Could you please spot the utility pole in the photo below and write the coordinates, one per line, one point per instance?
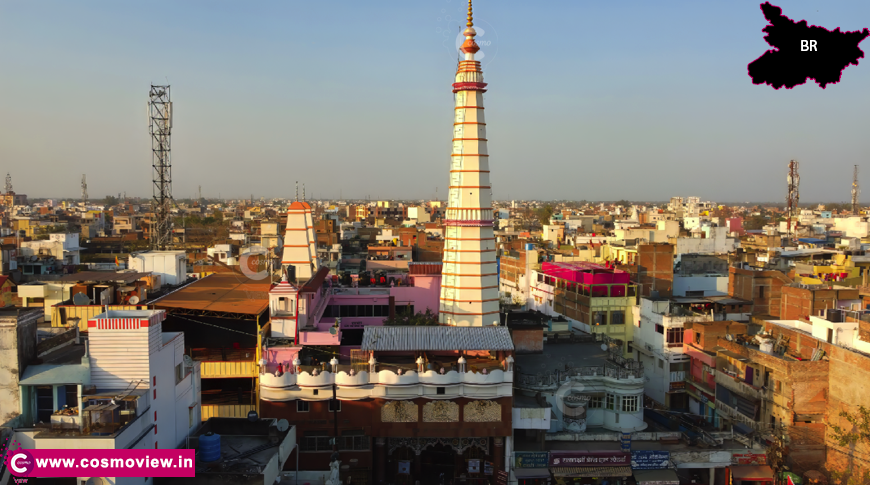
(855, 192)
(793, 197)
(84, 190)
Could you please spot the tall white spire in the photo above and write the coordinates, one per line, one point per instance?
(469, 288)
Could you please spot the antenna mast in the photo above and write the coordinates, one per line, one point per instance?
(8, 183)
(855, 192)
(85, 190)
(160, 126)
(794, 180)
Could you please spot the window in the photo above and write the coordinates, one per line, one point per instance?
(334, 405)
(761, 292)
(72, 395)
(594, 402)
(661, 363)
(660, 329)
(628, 348)
(610, 403)
(697, 337)
(599, 318)
(617, 318)
(316, 441)
(439, 390)
(190, 416)
(675, 337)
(354, 440)
(302, 406)
(179, 373)
(630, 404)
(44, 403)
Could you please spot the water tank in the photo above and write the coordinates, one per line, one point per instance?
(530, 246)
(766, 345)
(210, 447)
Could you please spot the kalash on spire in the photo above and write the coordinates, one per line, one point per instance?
(469, 287)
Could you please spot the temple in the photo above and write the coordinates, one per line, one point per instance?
(469, 286)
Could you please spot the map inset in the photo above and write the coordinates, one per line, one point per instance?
(800, 52)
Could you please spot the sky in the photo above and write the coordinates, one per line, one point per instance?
(594, 100)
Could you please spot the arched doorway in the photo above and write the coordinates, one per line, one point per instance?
(400, 466)
(437, 465)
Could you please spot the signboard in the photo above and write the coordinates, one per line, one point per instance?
(589, 458)
(678, 386)
(650, 459)
(501, 477)
(626, 441)
(531, 459)
(749, 459)
(487, 468)
(473, 466)
(405, 467)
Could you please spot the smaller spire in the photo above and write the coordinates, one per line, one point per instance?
(470, 19)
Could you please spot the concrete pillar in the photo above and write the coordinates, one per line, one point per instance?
(712, 476)
(498, 453)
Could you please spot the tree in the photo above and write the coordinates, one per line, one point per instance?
(754, 223)
(545, 213)
(858, 432)
(406, 318)
(110, 201)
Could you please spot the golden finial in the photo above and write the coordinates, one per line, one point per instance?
(470, 23)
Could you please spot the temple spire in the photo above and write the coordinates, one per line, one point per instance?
(470, 19)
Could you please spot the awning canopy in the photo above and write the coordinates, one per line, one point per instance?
(758, 473)
(528, 473)
(592, 471)
(656, 477)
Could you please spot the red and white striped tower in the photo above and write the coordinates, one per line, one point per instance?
(312, 238)
(469, 288)
(297, 250)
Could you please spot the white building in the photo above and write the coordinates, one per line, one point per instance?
(658, 340)
(129, 387)
(170, 265)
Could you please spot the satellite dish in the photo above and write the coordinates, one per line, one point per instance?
(252, 416)
(603, 347)
(333, 330)
(283, 425)
(34, 258)
(134, 300)
(81, 299)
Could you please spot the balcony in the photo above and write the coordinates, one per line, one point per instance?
(386, 381)
(737, 385)
(734, 415)
(226, 362)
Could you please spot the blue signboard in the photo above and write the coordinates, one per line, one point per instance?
(650, 459)
(531, 459)
(626, 441)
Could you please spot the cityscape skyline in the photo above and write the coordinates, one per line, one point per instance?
(66, 73)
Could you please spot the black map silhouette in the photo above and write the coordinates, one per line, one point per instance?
(786, 65)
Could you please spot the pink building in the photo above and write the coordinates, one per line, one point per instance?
(594, 279)
(328, 320)
(735, 224)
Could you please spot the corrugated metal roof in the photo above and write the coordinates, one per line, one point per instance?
(220, 292)
(436, 338)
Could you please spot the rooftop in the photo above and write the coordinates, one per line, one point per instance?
(124, 277)
(220, 293)
(407, 338)
(557, 356)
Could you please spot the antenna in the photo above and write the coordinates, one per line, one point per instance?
(297, 191)
(160, 126)
(85, 190)
(855, 192)
(793, 197)
(199, 193)
(8, 183)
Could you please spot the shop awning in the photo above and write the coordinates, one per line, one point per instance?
(656, 477)
(758, 473)
(591, 471)
(528, 473)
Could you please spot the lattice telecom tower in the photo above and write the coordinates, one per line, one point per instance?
(84, 190)
(160, 126)
(855, 192)
(8, 183)
(794, 181)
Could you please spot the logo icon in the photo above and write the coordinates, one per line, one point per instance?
(21, 463)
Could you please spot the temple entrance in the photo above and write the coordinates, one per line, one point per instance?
(437, 465)
(400, 466)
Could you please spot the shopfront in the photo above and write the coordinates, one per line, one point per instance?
(590, 467)
(751, 475)
(651, 467)
(532, 467)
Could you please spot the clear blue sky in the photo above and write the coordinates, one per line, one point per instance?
(587, 99)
